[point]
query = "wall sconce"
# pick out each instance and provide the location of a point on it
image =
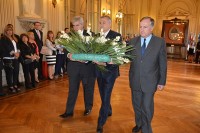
(119, 16)
(54, 2)
(105, 12)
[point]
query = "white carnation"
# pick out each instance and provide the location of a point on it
(88, 31)
(63, 32)
(117, 38)
(126, 60)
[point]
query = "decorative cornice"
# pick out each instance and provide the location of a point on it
(27, 23)
(178, 12)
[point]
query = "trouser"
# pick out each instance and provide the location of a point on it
(105, 85)
(40, 75)
(29, 72)
(59, 63)
(12, 73)
(88, 87)
(1, 67)
(197, 57)
(143, 104)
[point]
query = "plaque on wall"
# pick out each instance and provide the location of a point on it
(175, 31)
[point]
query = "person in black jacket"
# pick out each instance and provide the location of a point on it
(11, 54)
(77, 72)
(106, 79)
(28, 55)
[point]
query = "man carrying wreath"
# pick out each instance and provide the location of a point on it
(79, 71)
(106, 79)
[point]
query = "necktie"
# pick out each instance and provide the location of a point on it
(38, 32)
(143, 47)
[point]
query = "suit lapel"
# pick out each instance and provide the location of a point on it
(109, 34)
(138, 47)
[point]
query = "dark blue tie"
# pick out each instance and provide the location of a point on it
(143, 47)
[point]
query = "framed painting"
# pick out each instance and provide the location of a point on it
(175, 31)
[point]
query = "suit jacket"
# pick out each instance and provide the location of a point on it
(7, 47)
(149, 70)
(1, 56)
(112, 69)
(38, 40)
(75, 68)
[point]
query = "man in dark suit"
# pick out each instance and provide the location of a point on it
(147, 73)
(79, 71)
(38, 34)
(107, 78)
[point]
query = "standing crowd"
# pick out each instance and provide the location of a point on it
(27, 50)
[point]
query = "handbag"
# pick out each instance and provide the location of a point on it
(8, 63)
(46, 51)
(28, 61)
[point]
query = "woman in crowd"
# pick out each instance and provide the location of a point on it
(51, 59)
(36, 50)
(60, 58)
(11, 54)
(191, 51)
(28, 55)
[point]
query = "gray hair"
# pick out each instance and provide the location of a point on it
(151, 20)
(78, 19)
(107, 17)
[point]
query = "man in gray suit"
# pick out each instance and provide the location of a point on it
(147, 73)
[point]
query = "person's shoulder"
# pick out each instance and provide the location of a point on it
(157, 38)
(114, 32)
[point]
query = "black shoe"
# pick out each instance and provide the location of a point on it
(99, 129)
(12, 90)
(33, 85)
(28, 87)
(136, 129)
(87, 112)
(2, 94)
(65, 115)
(17, 88)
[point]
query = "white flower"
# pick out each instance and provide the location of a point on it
(80, 34)
(101, 32)
(123, 42)
(116, 49)
(117, 38)
(126, 60)
(88, 31)
(101, 39)
(114, 43)
(65, 36)
(88, 39)
(62, 32)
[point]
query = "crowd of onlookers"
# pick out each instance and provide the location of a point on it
(27, 49)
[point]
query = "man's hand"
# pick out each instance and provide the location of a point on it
(69, 55)
(160, 87)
